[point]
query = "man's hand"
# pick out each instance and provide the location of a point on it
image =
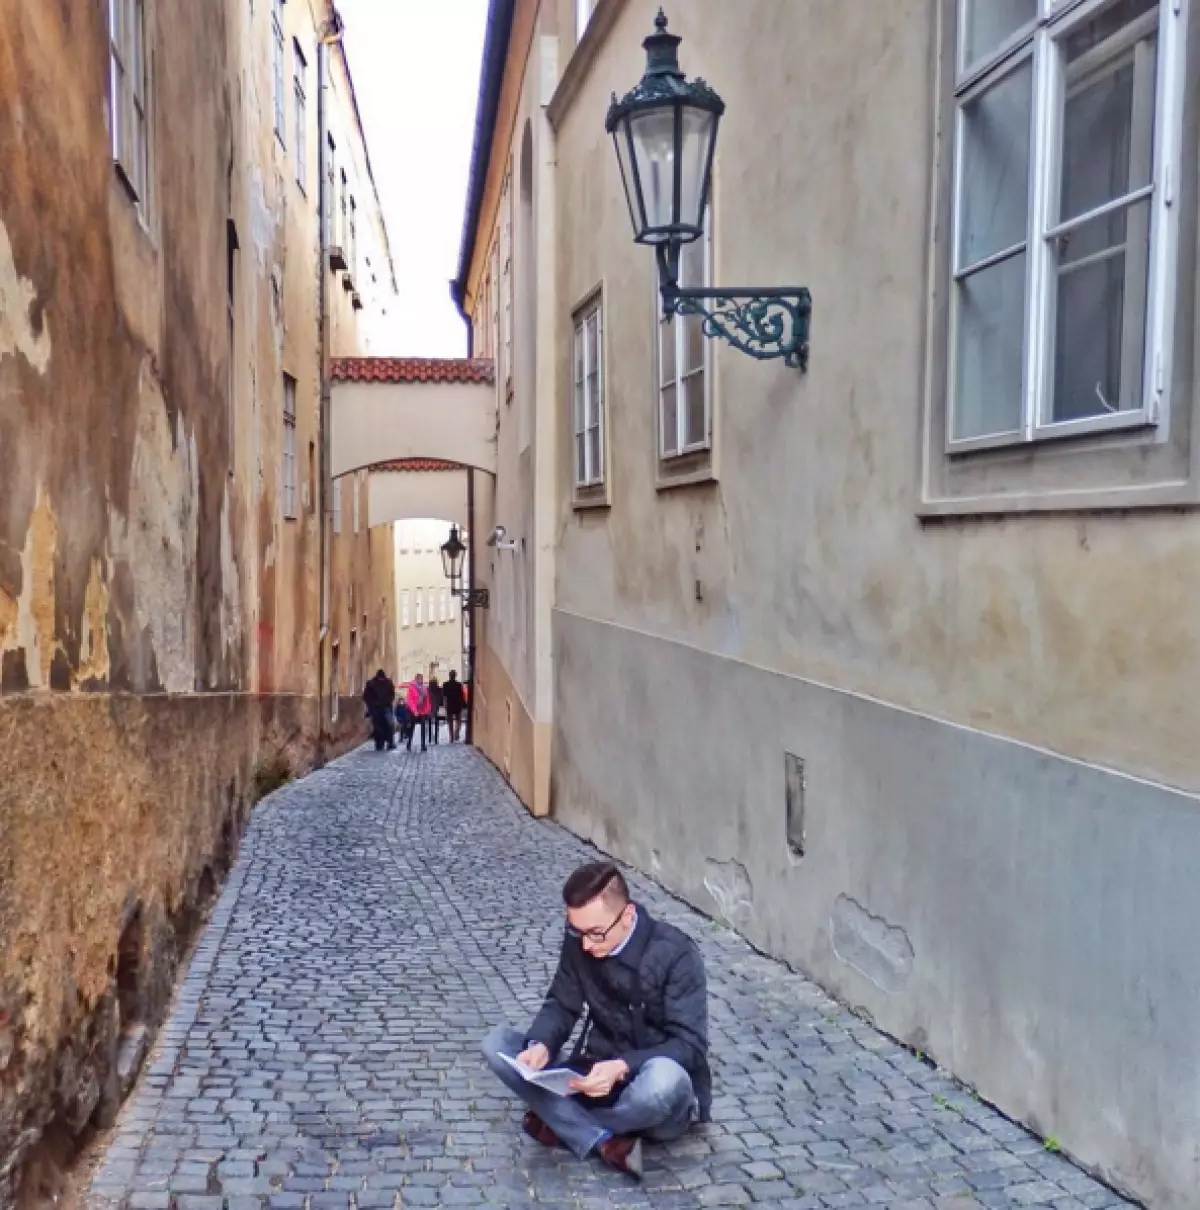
(535, 1058)
(602, 1079)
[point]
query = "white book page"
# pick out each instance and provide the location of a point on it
(552, 1079)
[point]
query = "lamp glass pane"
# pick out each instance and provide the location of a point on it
(621, 143)
(699, 126)
(653, 133)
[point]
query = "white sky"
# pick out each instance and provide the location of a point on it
(415, 65)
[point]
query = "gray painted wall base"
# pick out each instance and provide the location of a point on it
(1028, 921)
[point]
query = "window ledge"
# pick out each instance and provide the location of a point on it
(583, 55)
(1174, 494)
(685, 470)
(595, 496)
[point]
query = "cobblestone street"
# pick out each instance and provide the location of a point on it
(323, 1051)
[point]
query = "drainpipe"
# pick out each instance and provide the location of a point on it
(328, 36)
(474, 611)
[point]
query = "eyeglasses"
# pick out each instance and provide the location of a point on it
(597, 935)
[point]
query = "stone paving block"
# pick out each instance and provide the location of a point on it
(324, 1054)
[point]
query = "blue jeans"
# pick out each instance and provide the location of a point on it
(658, 1102)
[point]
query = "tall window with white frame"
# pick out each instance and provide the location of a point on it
(300, 102)
(352, 242)
(278, 68)
(583, 14)
(289, 447)
(506, 286)
(404, 608)
(128, 85)
(1069, 118)
(336, 493)
(588, 396)
(419, 598)
(684, 372)
(329, 218)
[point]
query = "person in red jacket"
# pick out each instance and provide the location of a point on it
(417, 701)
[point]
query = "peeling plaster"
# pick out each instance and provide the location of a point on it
(880, 952)
(17, 299)
(231, 584)
(730, 886)
(158, 538)
(94, 662)
(35, 607)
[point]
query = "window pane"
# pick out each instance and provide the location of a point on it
(1108, 126)
(593, 399)
(695, 422)
(989, 350)
(670, 421)
(691, 263)
(993, 208)
(1100, 318)
(666, 346)
(988, 23)
(580, 418)
(580, 458)
(595, 465)
(693, 343)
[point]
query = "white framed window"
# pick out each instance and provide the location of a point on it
(442, 607)
(277, 64)
(300, 99)
(329, 218)
(343, 210)
(336, 488)
(289, 447)
(583, 14)
(588, 395)
(128, 80)
(431, 605)
(418, 600)
(684, 363)
(352, 242)
(356, 505)
(1067, 148)
(404, 607)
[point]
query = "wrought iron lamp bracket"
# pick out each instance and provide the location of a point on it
(763, 321)
(473, 598)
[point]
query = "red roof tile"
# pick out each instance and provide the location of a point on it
(413, 369)
(417, 464)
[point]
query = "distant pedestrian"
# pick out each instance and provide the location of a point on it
(378, 697)
(417, 701)
(454, 696)
(642, 1054)
(435, 707)
(403, 720)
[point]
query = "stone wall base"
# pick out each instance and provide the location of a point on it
(119, 817)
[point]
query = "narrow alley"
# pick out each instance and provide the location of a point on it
(323, 1049)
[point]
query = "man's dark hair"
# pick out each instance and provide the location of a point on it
(381, 674)
(593, 880)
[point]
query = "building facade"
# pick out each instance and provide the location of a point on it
(888, 664)
(430, 639)
(170, 300)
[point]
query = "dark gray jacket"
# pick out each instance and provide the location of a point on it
(648, 1001)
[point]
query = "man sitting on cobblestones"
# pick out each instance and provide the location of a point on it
(642, 1053)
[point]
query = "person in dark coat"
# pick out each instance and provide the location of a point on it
(378, 697)
(642, 1055)
(435, 708)
(455, 699)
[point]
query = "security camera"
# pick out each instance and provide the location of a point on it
(496, 539)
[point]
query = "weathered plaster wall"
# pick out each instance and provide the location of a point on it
(804, 565)
(153, 601)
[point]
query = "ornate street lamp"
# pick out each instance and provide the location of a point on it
(665, 134)
(453, 553)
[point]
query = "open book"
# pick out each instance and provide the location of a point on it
(552, 1079)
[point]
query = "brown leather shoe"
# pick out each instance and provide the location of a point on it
(537, 1129)
(624, 1153)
